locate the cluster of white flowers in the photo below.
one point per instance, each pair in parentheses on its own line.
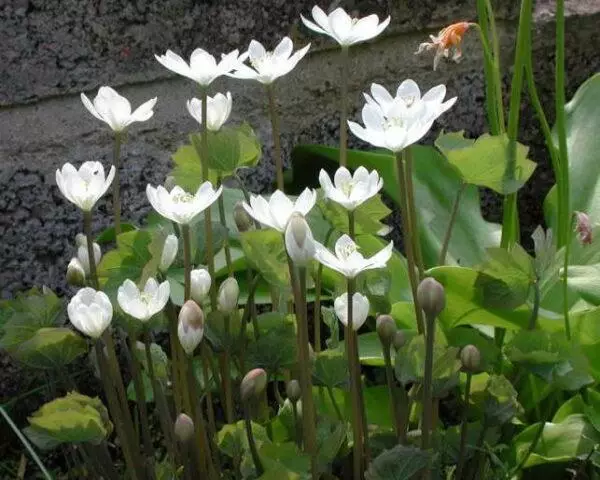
(391,122)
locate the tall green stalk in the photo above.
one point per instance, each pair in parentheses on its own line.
(565,283)
(223,220)
(463,429)
(344,106)
(408,244)
(451,222)
(561,123)
(427,384)
(412,211)
(276,135)
(117,182)
(87,230)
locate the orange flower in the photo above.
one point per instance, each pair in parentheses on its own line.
(449,37)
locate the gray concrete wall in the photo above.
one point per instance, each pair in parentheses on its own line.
(54,49)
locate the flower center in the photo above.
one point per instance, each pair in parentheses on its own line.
(183,198)
(391,123)
(145,298)
(347,187)
(348,249)
(409,100)
(259,63)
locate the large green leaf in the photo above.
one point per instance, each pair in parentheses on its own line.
(570,439)
(583,144)
(436,184)
(74,418)
(585,280)
(484,161)
(399,463)
(51,348)
(367,217)
(26,314)
(266,253)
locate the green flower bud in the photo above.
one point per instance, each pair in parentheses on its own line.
(243,222)
(470,357)
(253,384)
(229,293)
(399,340)
(75,273)
(386,329)
(431,296)
(184,428)
(293,390)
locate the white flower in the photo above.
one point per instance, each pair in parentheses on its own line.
(299,241)
(397,122)
(84,258)
(348,261)
(203,68)
(169,252)
(190,326)
(143,305)
(85,186)
(115,110)
(269,66)
(349,190)
(218,110)
(360,309)
(277,211)
(201,282)
(178,205)
(229,293)
(344,29)
(90,312)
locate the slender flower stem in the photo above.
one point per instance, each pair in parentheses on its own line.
(408,245)
(334,403)
(561,123)
(176,353)
(297,425)
(25,443)
(212,429)
(565,283)
(223,221)
(251,443)
(116,412)
(187,262)
(276,135)
(412,211)
(451,223)
(427,387)
(488,67)
(87,228)
(463,429)
(318,287)
(249,312)
(226,375)
(117,182)
(344,61)
(208,234)
(393,391)
(536,305)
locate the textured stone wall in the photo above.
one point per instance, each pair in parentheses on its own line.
(54,49)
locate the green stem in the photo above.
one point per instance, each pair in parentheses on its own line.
(251,443)
(297,425)
(536,305)
(565,283)
(452,221)
(276,135)
(412,211)
(116,412)
(210,411)
(223,221)
(488,68)
(26,444)
(249,313)
(392,390)
(87,229)
(334,403)
(427,384)
(408,245)
(187,262)
(117,182)
(176,355)
(496,65)
(561,123)
(226,375)
(463,429)
(318,288)
(344,67)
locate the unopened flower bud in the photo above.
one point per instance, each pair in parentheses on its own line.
(170,182)
(243,222)
(201,283)
(470,357)
(583,227)
(80,240)
(169,252)
(184,428)
(386,329)
(75,273)
(253,384)
(84,259)
(190,327)
(299,241)
(431,296)
(399,340)
(293,390)
(229,293)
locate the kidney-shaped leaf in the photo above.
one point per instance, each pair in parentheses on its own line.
(51,348)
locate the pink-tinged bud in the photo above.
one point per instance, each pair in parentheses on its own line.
(184,428)
(583,227)
(470,357)
(253,384)
(190,328)
(386,329)
(431,296)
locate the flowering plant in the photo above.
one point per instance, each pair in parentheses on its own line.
(449,352)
